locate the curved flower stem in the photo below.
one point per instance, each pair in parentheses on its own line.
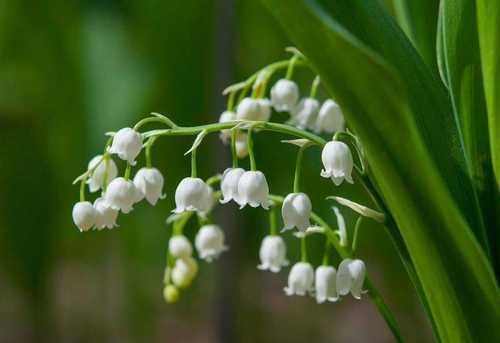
(298,167)
(194,170)
(314,87)
(251,155)
(356,234)
(82,189)
(148,120)
(303,249)
(273,220)
(128,170)
(234,153)
(326,253)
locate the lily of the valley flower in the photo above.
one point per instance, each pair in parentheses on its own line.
(325,284)
(305,113)
(254,109)
(337,162)
(272,254)
(265,109)
(180,247)
(225,117)
(209,242)
(253,190)
(121,195)
(300,279)
(84,215)
(350,277)
(149,183)
(296,211)
(127,144)
(105,214)
(330,118)
(284,95)
(184,271)
(241,145)
(103,173)
(193,194)
(229,184)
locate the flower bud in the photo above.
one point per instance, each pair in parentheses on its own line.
(304,114)
(249,109)
(253,190)
(300,279)
(127,144)
(296,211)
(180,247)
(225,117)
(330,118)
(337,162)
(184,271)
(272,254)
(105,215)
(149,183)
(121,195)
(171,294)
(102,174)
(209,242)
(325,284)
(84,215)
(350,277)
(284,95)
(229,184)
(241,145)
(192,194)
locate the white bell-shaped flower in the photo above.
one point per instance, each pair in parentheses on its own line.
(272,254)
(330,118)
(305,113)
(337,162)
(105,215)
(241,145)
(84,215)
(121,194)
(350,277)
(149,183)
(253,190)
(209,201)
(325,284)
(180,247)
(103,173)
(284,95)
(248,109)
(225,117)
(265,109)
(300,279)
(127,144)
(209,242)
(192,195)
(229,184)
(296,211)
(184,271)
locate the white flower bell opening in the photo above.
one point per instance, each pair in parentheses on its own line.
(296,211)
(284,95)
(300,279)
(180,247)
(325,284)
(127,144)
(149,183)
(272,254)
(103,173)
(192,194)
(105,215)
(225,117)
(253,190)
(350,277)
(184,271)
(330,118)
(305,113)
(209,242)
(229,184)
(84,215)
(337,162)
(121,195)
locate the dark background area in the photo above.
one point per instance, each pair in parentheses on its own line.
(72,70)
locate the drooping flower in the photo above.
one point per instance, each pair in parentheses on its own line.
(305,113)
(170,294)
(105,214)
(253,190)
(265,109)
(330,118)
(184,271)
(149,183)
(229,184)
(84,215)
(249,109)
(121,194)
(337,162)
(208,202)
(209,242)
(102,174)
(325,284)
(225,117)
(192,194)
(241,145)
(350,277)
(180,247)
(284,95)
(296,211)
(272,254)
(127,144)
(300,279)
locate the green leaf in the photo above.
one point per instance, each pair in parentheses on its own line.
(401,115)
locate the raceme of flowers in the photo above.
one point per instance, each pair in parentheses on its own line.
(246,115)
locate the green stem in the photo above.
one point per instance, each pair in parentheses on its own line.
(298,168)
(194,171)
(273,221)
(230,101)
(128,170)
(356,233)
(326,253)
(233,148)
(251,154)
(148,120)
(303,249)
(148,153)
(291,67)
(82,189)
(314,87)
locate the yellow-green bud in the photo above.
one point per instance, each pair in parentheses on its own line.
(171,294)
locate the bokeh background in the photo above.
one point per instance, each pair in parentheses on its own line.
(72,70)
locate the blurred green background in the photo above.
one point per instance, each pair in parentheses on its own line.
(72,70)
